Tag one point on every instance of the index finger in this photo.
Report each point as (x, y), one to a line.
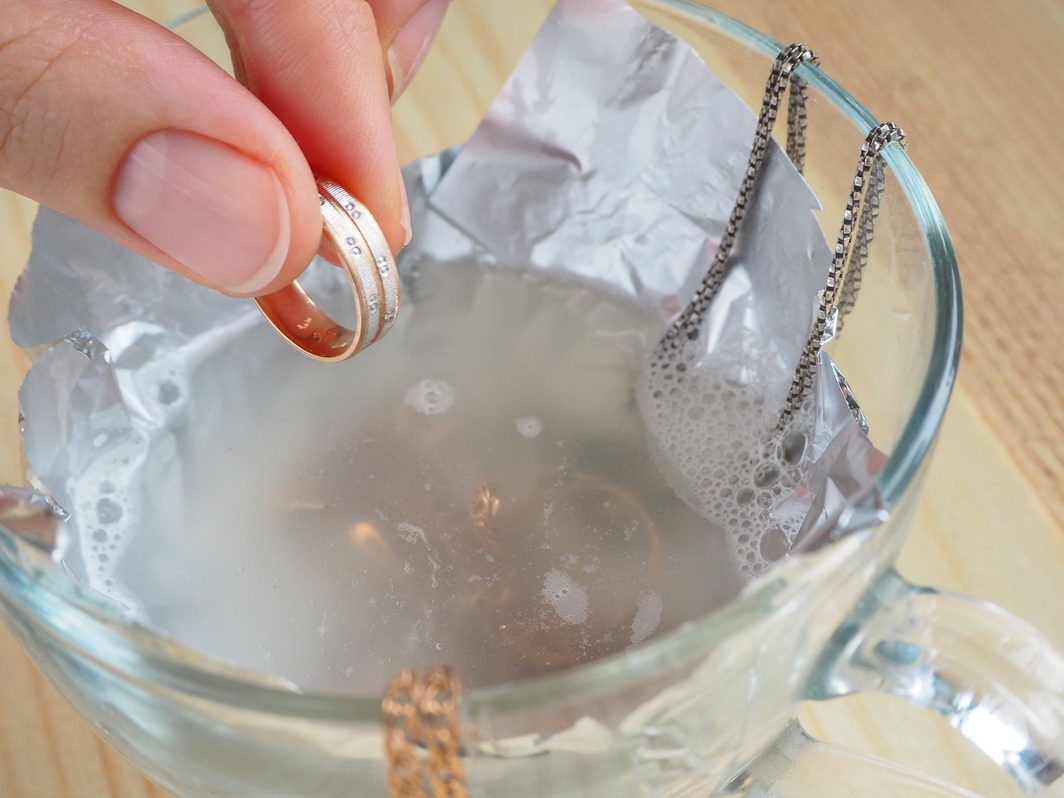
(317, 65)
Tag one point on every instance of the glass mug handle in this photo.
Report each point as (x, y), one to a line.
(992, 676)
(797, 766)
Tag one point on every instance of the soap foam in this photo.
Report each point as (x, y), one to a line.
(430, 397)
(529, 426)
(647, 616)
(712, 422)
(103, 510)
(567, 598)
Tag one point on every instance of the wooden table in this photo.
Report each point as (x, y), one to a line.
(976, 85)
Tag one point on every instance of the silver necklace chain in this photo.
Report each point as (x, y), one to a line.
(781, 76)
(855, 235)
(862, 241)
(843, 284)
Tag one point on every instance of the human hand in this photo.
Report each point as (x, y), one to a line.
(120, 124)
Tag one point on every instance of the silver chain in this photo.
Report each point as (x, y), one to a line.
(855, 236)
(781, 76)
(862, 242)
(869, 164)
(798, 118)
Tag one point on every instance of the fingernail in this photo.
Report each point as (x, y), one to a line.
(219, 213)
(404, 217)
(413, 42)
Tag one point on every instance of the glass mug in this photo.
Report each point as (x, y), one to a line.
(708, 706)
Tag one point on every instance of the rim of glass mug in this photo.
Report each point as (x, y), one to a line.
(101, 634)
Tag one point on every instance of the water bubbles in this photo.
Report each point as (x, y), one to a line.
(712, 422)
(774, 545)
(167, 392)
(568, 599)
(411, 533)
(529, 426)
(647, 616)
(766, 475)
(430, 397)
(100, 535)
(793, 447)
(108, 511)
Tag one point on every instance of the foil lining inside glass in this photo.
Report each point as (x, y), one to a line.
(610, 159)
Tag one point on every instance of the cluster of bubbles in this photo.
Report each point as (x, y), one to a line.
(712, 422)
(430, 397)
(160, 388)
(529, 426)
(647, 616)
(103, 519)
(567, 597)
(102, 491)
(570, 602)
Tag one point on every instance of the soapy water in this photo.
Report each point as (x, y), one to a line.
(505, 484)
(712, 420)
(529, 426)
(430, 397)
(647, 617)
(567, 597)
(101, 510)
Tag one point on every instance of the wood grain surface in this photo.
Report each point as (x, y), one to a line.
(976, 85)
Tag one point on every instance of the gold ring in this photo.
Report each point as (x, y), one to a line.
(362, 251)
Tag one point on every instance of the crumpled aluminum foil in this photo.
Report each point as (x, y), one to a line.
(612, 154)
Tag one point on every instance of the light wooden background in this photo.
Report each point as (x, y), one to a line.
(975, 83)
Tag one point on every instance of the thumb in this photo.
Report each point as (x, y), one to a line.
(111, 119)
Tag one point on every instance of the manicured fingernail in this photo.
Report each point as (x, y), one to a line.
(404, 218)
(413, 42)
(219, 213)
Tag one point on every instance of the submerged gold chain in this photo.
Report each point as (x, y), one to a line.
(423, 712)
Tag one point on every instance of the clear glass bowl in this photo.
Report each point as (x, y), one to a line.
(683, 713)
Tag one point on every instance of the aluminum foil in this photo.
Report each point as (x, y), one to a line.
(612, 154)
